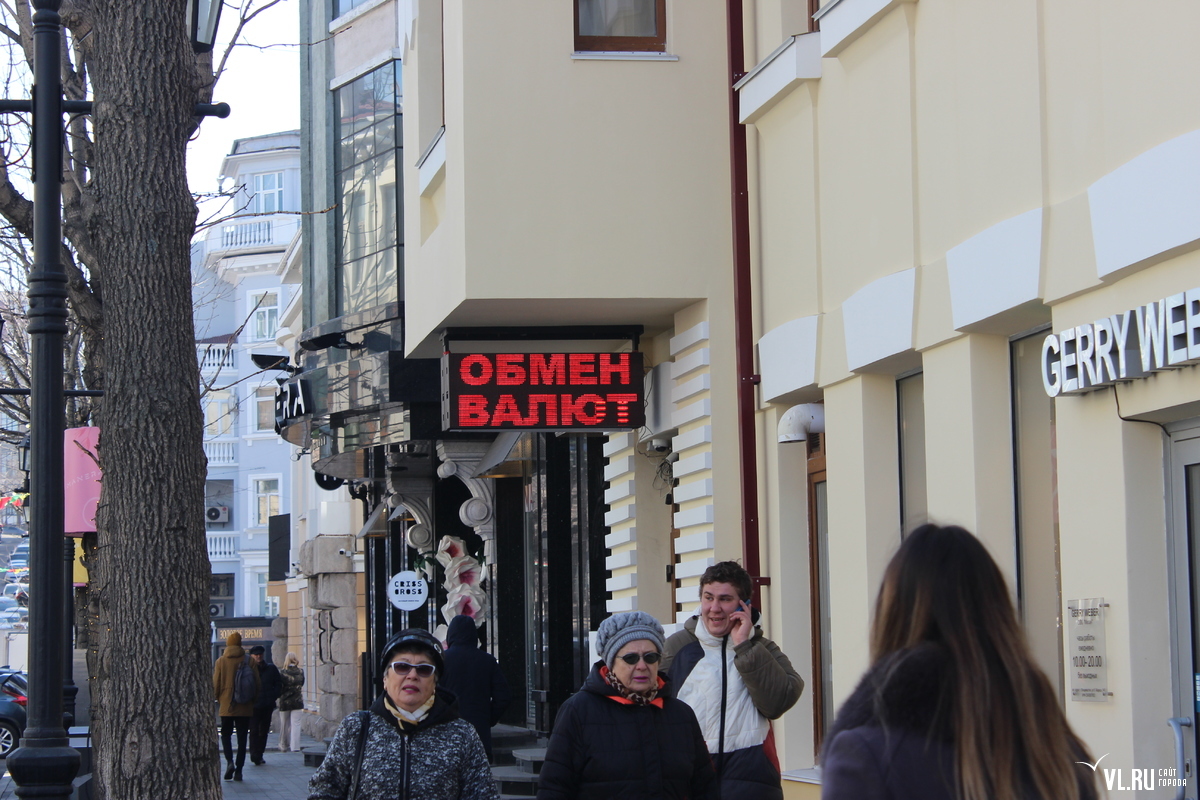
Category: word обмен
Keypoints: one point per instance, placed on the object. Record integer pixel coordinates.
(542, 390)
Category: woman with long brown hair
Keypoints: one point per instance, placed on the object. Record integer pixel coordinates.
(953, 705)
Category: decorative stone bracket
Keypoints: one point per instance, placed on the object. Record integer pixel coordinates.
(459, 460)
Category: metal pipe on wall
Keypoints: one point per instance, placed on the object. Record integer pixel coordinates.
(742, 301)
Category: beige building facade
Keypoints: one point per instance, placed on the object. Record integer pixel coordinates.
(960, 210)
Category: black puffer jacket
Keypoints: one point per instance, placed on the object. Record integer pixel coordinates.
(439, 759)
(475, 678)
(605, 748)
(893, 739)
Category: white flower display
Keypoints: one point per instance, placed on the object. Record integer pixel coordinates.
(464, 580)
(450, 548)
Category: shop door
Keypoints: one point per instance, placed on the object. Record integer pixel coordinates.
(1183, 494)
(564, 548)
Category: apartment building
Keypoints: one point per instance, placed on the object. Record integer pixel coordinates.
(239, 294)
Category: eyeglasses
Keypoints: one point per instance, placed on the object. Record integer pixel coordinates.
(402, 668)
(633, 658)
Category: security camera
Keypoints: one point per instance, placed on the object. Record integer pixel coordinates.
(343, 552)
(659, 446)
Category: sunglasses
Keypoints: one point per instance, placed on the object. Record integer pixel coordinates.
(633, 658)
(402, 668)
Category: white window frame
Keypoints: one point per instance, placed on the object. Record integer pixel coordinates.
(259, 312)
(256, 401)
(214, 414)
(266, 199)
(256, 494)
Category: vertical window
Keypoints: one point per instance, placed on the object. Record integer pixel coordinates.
(266, 500)
(265, 315)
(267, 193)
(370, 247)
(220, 595)
(264, 409)
(1039, 582)
(910, 408)
(818, 569)
(621, 25)
(218, 413)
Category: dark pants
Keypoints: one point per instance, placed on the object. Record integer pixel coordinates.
(260, 726)
(242, 725)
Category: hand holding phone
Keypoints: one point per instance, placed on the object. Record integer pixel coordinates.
(742, 623)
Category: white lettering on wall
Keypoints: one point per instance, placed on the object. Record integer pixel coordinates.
(1161, 335)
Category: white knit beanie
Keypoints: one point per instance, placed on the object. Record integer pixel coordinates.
(621, 629)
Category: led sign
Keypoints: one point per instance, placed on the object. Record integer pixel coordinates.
(540, 391)
(1161, 335)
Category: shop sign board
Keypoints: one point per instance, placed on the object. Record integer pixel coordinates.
(543, 391)
(1087, 649)
(292, 401)
(1161, 335)
(407, 591)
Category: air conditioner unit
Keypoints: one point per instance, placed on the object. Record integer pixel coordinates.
(217, 514)
(216, 609)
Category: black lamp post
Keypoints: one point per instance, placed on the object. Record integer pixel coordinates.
(44, 766)
(23, 461)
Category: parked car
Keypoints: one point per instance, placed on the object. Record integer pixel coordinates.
(14, 618)
(13, 694)
(11, 589)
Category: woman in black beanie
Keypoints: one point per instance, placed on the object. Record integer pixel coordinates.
(620, 736)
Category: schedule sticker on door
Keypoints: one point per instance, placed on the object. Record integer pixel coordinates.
(1089, 656)
(407, 591)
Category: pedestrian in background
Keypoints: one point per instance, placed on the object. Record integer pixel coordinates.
(411, 743)
(291, 700)
(475, 679)
(953, 705)
(234, 716)
(270, 690)
(736, 680)
(621, 735)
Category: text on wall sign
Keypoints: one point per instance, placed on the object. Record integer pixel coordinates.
(600, 391)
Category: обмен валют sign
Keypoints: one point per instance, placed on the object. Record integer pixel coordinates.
(530, 391)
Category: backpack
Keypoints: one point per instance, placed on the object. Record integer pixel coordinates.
(244, 685)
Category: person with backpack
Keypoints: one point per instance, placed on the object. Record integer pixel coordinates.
(236, 686)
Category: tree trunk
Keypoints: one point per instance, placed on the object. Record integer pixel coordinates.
(154, 717)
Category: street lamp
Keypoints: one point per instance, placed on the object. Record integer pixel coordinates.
(23, 460)
(44, 765)
(202, 23)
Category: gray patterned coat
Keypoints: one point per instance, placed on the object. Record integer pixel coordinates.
(441, 759)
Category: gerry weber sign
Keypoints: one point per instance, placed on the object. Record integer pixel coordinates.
(543, 391)
(1161, 335)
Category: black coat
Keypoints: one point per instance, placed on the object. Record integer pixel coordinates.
(475, 678)
(272, 686)
(604, 748)
(891, 740)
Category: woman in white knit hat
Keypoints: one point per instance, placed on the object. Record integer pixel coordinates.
(620, 736)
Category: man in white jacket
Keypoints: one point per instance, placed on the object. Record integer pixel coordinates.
(736, 681)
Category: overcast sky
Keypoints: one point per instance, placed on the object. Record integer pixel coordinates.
(261, 84)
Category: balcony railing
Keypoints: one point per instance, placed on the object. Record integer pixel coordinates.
(222, 546)
(246, 234)
(214, 356)
(221, 454)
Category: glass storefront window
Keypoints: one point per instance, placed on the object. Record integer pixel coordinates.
(370, 232)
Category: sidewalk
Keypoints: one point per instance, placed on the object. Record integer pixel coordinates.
(283, 777)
